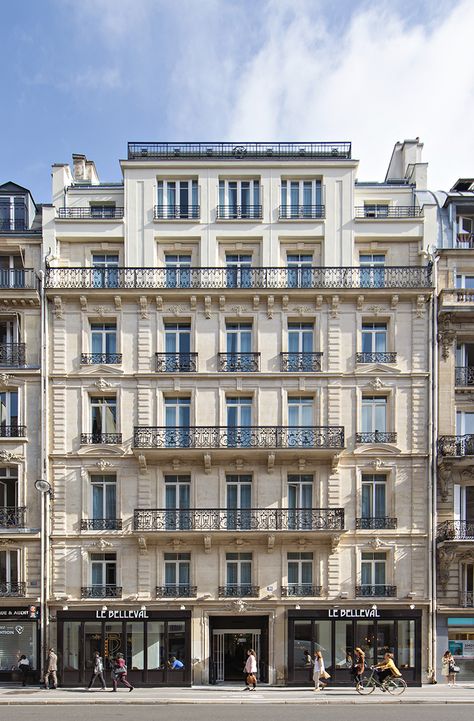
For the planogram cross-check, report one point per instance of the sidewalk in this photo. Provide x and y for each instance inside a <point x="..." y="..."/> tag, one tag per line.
<point x="32" y="695"/>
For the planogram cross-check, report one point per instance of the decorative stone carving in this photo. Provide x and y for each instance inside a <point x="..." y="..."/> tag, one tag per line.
<point x="394" y="302"/>
<point x="238" y="309"/>
<point x="301" y="309"/>
<point x="142" y="467"/>
<point x="376" y="309"/>
<point x="335" y="462"/>
<point x="319" y="302"/>
<point x="207" y="544"/>
<point x="222" y="303"/>
<point x="360" y="302"/>
<point x="176" y="462"/>
<point x="102" y="544"/>
<point x="256" y="302"/>
<point x="118" y="302"/>
<point x="270" y="306"/>
<point x="335" y="306"/>
<point x="101" y="310"/>
<point x="376" y="384"/>
<point x="193" y="302"/>
<point x="420" y="306"/>
<point x="103" y="465"/>
<point x="376" y="543"/>
<point x="207" y="463"/>
<point x="142" y="548"/>
<point x="445" y="561"/>
<point x="176" y="309"/>
<point x="9" y="457"/>
<point x="58" y="307"/>
<point x="335" y="543"/>
<point x="270" y="543"/>
<point x="301" y="464"/>
<point x="270" y="462"/>
<point x="239" y="606"/>
<point x="83" y="302"/>
<point x="5" y="379"/>
<point x="102" y="384"/>
<point x="377" y="463"/>
<point x="159" y="302"/>
<point x="143" y="303"/>
<point x="444" y="479"/>
<point x="207" y="306"/>
<point x="446" y="335"/>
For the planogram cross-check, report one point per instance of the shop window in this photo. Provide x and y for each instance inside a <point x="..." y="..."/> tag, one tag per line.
<point x="385" y="638"/>
<point x="71" y="645"/>
<point x="302" y="647"/>
<point x="156" y="645"/>
<point x="406" y="644"/>
<point x="344" y="644"/>
<point x="176" y="642"/>
<point x="13" y="643"/>
<point x="365" y="639"/>
<point x="135" y="653"/>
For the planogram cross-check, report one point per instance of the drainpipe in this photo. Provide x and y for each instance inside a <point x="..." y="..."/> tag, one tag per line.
<point x="434" y="471"/>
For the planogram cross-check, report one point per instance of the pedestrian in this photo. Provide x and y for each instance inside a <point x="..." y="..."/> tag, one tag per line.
<point x="358" y="666"/>
<point x="24" y="668"/>
<point x="97" y="671"/>
<point x="250" y="671"/>
<point x="51" y="670"/>
<point x="320" y="675"/>
<point x="447" y="668"/>
<point x="119" y="673"/>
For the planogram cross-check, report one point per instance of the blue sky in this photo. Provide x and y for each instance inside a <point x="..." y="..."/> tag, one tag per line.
<point x="89" y="75"/>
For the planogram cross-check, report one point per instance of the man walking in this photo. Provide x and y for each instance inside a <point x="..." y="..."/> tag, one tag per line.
<point x="97" y="671"/>
<point x="51" y="669"/>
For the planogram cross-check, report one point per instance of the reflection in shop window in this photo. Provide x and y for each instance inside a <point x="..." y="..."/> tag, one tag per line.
<point x="302" y="644"/>
<point x="135" y="648"/>
<point x="71" y="646"/>
<point x="365" y="639"/>
<point x="156" y="645"/>
<point x="406" y="644"/>
<point x="322" y="641"/>
<point x="344" y="644"/>
<point x="385" y="639"/>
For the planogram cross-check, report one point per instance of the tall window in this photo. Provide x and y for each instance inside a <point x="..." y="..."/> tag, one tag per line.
<point x="239" y="420"/>
<point x="300" y="501"/>
<point x="13" y="213"/>
<point x="177" y="199"/>
<point x="374" y="337"/>
<point x="299" y="270"/>
<point x="301" y="199"/>
<point x="178" y="348"/>
<point x="105" y="270"/>
<point x="372" y="273"/>
<point x="300" y="347"/>
<point x="177" y="501"/>
<point x="467" y="585"/>
<point x="177" y="420"/>
<point x="9" y="572"/>
<point x="464" y="423"/>
<point x="9" y="413"/>
<point x="464" y="510"/>
<point x="239" y="501"/>
<point x="104" y="342"/>
<point x="9" y="332"/>
<point x="465" y="281"/>
<point x="239" y="348"/>
<point x="12" y="274"/>
<point x="239" y="274"/>
<point x="373" y="571"/>
<point x="177" y="573"/>
<point x="104" y="572"/>
<point x="374" y="414"/>
<point x="239" y="574"/>
<point x="374" y="494"/>
<point x="300" y="573"/>
<point x="300" y="421"/>
<point x="239" y="199"/>
<point x="103" y="418"/>
<point x="465" y="364"/>
<point x="178" y="273"/>
<point x="104" y="497"/>
<point x="10" y="514"/>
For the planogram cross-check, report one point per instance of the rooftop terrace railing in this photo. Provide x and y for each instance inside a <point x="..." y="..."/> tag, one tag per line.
<point x="238" y="151"/>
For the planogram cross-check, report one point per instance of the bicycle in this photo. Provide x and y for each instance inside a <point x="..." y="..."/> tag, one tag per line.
<point x="395" y="685"/>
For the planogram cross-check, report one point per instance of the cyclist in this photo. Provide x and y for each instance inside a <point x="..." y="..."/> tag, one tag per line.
<point x="387" y="668"/>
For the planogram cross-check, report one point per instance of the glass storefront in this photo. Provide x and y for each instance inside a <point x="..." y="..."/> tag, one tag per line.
<point x="19" y="634"/>
<point x="461" y="645"/>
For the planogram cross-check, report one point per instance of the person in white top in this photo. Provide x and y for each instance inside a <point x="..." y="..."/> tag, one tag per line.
<point x="318" y="671"/>
<point x="250" y="671"/>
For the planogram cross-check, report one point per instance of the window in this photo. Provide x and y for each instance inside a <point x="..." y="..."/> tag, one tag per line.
<point x="239" y="420"/>
<point x="300" y="573"/>
<point x="178" y="348"/>
<point x="464" y="423"/>
<point x="177" y="420"/>
<point x="239" y="501"/>
<point x="177" y="199"/>
<point x="465" y="364"/>
<point x="238" y="270"/>
<point x="464" y="510"/>
<point x="372" y="273"/>
<point x="465" y="281"/>
<point x="239" y="355"/>
<point x="374" y="496"/>
<point x="467" y="585"/>
<point x="13" y="213"/>
<point x="178" y="270"/>
<point x="104" y="497"/>
<point x="12" y="353"/>
<point x="103" y="419"/>
<point x="239" y="199"/>
<point x="177" y="501"/>
<point x="376" y="210"/>
<point x="300" y="421"/>
<point x="374" y="337"/>
<point x="104" y="572"/>
<point x="374" y="414"/>
<point x="300" y="501"/>
<point x="104" y="343"/>
<point x="301" y="199"/>
<point x="177" y="573"/>
<point x="105" y="270"/>
<point x="373" y="572"/>
<point x="9" y="573"/>
<point x="300" y="348"/>
<point x="299" y="270"/>
<point x="10" y="514"/>
<point x="9" y="414"/>
<point x="238" y="574"/>
<point x="465" y="232"/>
<point x="12" y="273"/>
<point x="102" y="210"/>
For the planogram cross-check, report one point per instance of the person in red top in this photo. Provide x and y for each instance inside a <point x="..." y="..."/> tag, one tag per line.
<point x="119" y="673"/>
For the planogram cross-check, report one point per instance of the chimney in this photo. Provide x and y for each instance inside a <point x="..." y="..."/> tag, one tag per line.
<point x="84" y="171"/>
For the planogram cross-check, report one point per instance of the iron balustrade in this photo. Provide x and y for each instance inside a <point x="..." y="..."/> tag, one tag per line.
<point x="377" y="357"/>
<point x="376" y="437"/>
<point x="389" y="212"/>
<point x="377" y="590"/>
<point x="301" y="589"/>
<point x="13" y="225"/>
<point x="314" y="437"/>
<point x="18" y="279"/>
<point x="14" y="588"/>
<point x="14" y="431"/>
<point x="178" y="591"/>
<point x="455" y="531"/>
<point x="102" y="358"/>
<point x="376" y="523"/>
<point x="239" y="212"/>
<point x="107" y="591"/>
<point x="301" y="212"/>
<point x="255" y="278"/>
<point x="464" y="376"/>
<point x="92" y="438"/>
<point x="238" y="151"/>
<point x="101" y="524"/>
<point x="235" y="590"/>
<point x="176" y="362"/>
<point x="12" y="516"/>
<point x="300" y="362"/>
<point x="176" y="212"/>
<point x="12" y="354"/>
<point x="103" y="212"/>
<point x="251" y="519"/>
<point x="465" y="240"/>
<point x="239" y="362"/>
<point x="456" y="445"/>
<point x="466" y="599"/>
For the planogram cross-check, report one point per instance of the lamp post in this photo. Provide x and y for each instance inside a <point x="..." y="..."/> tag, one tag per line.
<point x="44" y="488"/>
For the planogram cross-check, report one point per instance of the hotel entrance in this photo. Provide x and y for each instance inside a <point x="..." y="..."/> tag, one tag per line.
<point x="231" y="638"/>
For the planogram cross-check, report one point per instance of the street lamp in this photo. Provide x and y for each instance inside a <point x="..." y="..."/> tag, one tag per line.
<point x="45" y="489"/>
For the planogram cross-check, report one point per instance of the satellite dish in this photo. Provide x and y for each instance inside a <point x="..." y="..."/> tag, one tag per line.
<point x="42" y="485"/>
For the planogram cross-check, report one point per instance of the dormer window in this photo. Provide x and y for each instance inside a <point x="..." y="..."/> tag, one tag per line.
<point x="13" y="213"/>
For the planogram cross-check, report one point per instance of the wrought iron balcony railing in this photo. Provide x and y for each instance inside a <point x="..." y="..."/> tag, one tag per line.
<point x="92" y="438"/>
<point x="314" y="437"/>
<point x="107" y="591"/>
<point x="103" y="212"/>
<point x="14" y="225"/>
<point x="456" y="445"/>
<point x="234" y="590"/>
<point x="23" y="278"/>
<point x="176" y="212"/>
<point x="376" y="437"/>
<point x="466" y="599"/>
<point x="176" y="362"/>
<point x="239" y="362"/>
<point x="101" y="524"/>
<point x="301" y="589"/>
<point x="376" y="523"/>
<point x="15" y="588"/>
<point x="253" y="278"/>
<point x="465" y="240"/>
<point x="464" y="376"/>
<point x="238" y="151"/>
<point x="377" y="590"/>
<point x="101" y="358"/>
<point x="251" y="519"/>
<point x="14" y="431"/>
<point x="181" y="590"/>
<point x="455" y="531"/>
<point x="239" y="212"/>
<point x="12" y="516"/>
<point x="388" y="212"/>
<point x="12" y="354"/>
<point x="377" y="357"/>
<point x="301" y="362"/>
<point x="301" y="212"/>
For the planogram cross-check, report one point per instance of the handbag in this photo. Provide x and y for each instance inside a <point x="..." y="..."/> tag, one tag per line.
<point x="325" y="675"/>
<point x="455" y="669"/>
<point x="251" y="679"/>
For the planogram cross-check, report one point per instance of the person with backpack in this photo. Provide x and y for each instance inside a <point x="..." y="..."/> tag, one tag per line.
<point x="97" y="671"/>
<point x="119" y="673"/>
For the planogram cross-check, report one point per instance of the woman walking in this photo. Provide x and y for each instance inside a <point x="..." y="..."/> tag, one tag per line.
<point x="250" y="671"/>
<point x="319" y="672"/>
<point x="359" y="665"/>
<point x="97" y="671"/>
<point x="119" y="674"/>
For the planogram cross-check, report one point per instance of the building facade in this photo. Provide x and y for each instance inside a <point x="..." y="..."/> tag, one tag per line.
<point x="239" y="382"/>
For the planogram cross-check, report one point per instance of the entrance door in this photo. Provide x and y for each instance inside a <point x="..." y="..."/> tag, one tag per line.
<point x="230" y="648"/>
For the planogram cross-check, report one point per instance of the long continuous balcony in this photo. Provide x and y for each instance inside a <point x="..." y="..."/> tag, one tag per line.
<point x="239" y="212"/>
<point x="464" y="376"/>
<point x="108" y="591"/>
<point x="376" y="437"/>
<point x="101" y="524"/>
<point x="300" y="362"/>
<point x="181" y="590"/>
<point x="377" y="357"/>
<point x="378" y="590"/>
<point x="176" y="362"/>
<point x="15" y="588"/>
<point x="101" y="358"/>
<point x="21" y="279"/>
<point x="104" y="212"/>
<point x="12" y="516"/>
<point x="456" y="446"/>
<point x="270" y="278"/>
<point x="388" y="212"/>
<point x="455" y="531"/>
<point x="239" y="590"/>
<point x="302" y="212"/>
<point x="99" y="438"/>
<point x="376" y="523"/>
<point x="176" y="212"/>
<point x="301" y="589"/>
<point x="239" y="362"/>
<point x="12" y="431"/>
<point x="238" y="151"/>
<point x="12" y="355"/>
<point x="251" y="519"/>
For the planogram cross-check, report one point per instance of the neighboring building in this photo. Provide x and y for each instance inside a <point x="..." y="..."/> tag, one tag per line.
<point x="239" y="391"/>
<point x="20" y="432"/>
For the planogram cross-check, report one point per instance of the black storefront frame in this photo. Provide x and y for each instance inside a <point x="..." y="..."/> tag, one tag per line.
<point x="241" y="623"/>
<point x="341" y="677"/>
<point x="17" y="615"/>
<point x="145" y="677"/>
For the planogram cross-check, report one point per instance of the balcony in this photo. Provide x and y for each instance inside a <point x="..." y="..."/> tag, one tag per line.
<point x="21" y="279"/>
<point x="239" y="212"/>
<point x="103" y="212"/>
<point x="176" y="362"/>
<point x="376" y="437"/>
<point x="456" y="446"/>
<point x="466" y="599"/>
<point x="238" y="362"/>
<point x="251" y="519"/>
<point x="12" y="355"/>
<point x="238" y="151"/>
<point x="99" y="438"/>
<point x="302" y="212"/>
<point x="176" y="212"/>
<point x="310" y="278"/>
<point x="302" y="589"/>
<point x="101" y="524"/>
<point x="457" y="299"/>
<point x="108" y="591"/>
<point x="14" y="225"/>
<point x="14" y="431"/>
<point x="12" y="589"/>
<point x="464" y="376"/>
<point x="234" y="590"/>
<point x="455" y="531"/>
<point x="379" y="590"/>
<point x="465" y="240"/>
<point x="101" y="358"/>
<point x="179" y="591"/>
<point x="300" y="362"/>
<point x="12" y="516"/>
<point x="376" y="523"/>
<point x="390" y="212"/>
<point x="378" y="357"/>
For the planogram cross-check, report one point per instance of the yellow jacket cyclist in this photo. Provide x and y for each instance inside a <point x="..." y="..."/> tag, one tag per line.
<point x="387" y="668"/>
